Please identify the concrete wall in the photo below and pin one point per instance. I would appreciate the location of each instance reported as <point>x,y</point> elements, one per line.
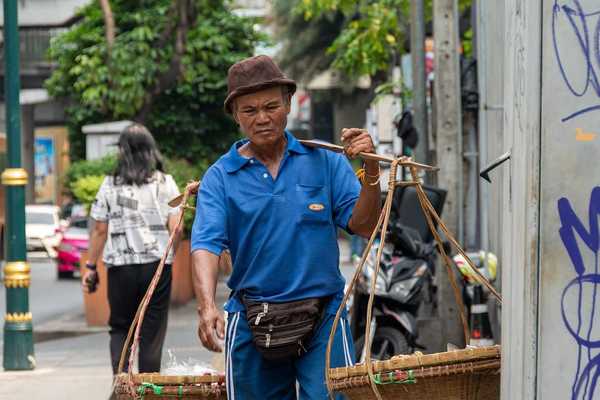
<point>522,94</point>
<point>551,322</point>
<point>100,145</point>
<point>569,305</point>
<point>491,64</point>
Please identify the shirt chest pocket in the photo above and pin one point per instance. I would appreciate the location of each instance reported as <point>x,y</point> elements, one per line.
<point>313,203</point>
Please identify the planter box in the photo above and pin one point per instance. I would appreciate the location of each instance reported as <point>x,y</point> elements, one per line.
<point>182,290</point>
<point>97,310</point>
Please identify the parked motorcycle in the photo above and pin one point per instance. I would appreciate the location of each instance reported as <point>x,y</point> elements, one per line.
<point>475,295</point>
<point>404,282</point>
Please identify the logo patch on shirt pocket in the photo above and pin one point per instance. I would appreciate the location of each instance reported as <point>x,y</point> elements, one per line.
<point>316,207</point>
<point>313,203</point>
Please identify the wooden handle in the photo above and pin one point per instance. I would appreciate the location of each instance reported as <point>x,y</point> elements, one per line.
<point>175,201</point>
<point>193,189</point>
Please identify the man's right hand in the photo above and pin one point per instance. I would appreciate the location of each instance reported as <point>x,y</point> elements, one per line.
<point>211,329</point>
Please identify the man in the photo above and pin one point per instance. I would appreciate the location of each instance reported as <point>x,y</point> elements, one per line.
<point>276,205</point>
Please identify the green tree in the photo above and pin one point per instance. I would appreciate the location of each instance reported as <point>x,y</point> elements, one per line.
<point>85,189</point>
<point>374,31</point>
<point>159,62</point>
<point>82,168</point>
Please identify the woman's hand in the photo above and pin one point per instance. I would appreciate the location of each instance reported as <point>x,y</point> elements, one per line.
<point>89,281</point>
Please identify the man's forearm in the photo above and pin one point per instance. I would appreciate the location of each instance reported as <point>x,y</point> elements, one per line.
<point>368,207</point>
<point>211,326</point>
<point>205,271</point>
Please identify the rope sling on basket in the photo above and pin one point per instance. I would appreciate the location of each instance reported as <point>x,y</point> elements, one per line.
<point>154,385</point>
<point>470,374</point>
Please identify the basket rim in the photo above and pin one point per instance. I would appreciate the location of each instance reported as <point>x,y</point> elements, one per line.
<point>490,367</point>
<point>160,379</point>
<point>417,360</point>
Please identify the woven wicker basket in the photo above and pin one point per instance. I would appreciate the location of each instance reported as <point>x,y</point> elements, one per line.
<point>470,374</point>
<point>156,386</point>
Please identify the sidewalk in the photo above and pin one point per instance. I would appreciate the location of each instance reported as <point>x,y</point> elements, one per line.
<point>73,361</point>
<point>69,368</point>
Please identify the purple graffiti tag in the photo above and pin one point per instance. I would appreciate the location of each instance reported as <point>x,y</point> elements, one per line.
<point>576,18</point>
<point>572,229</point>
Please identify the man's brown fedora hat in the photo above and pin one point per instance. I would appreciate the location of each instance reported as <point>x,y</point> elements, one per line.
<point>252,75</point>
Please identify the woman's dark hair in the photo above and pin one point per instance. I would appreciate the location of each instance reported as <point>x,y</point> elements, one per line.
<point>138,158</point>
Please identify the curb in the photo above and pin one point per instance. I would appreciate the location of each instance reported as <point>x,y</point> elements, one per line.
<point>68,325</point>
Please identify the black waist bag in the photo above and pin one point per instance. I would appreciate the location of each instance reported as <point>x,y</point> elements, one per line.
<point>280,330</point>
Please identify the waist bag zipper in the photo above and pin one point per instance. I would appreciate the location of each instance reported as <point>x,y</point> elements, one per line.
<point>268,337</point>
<point>262,314</point>
<point>301,347</point>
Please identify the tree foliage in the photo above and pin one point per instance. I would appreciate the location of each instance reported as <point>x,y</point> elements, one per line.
<point>85,189</point>
<point>166,68</point>
<point>374,32</point>
<point>83,168</point>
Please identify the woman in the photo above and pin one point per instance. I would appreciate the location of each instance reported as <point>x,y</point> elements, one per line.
<point>132,225</point>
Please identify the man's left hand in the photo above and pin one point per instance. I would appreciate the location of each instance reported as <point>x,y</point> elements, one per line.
<point>358,141</point>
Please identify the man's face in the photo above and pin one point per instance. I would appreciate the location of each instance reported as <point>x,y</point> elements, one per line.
<point>262,115</point>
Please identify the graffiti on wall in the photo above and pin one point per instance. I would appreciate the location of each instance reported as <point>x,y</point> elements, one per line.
<point>579,57</point>
<point>578,303</point>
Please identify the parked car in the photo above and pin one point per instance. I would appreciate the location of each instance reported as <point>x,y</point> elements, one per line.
<point>75,240</point>
<point>42,228</point>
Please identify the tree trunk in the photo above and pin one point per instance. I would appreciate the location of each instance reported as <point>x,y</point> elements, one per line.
<point>109,25</point>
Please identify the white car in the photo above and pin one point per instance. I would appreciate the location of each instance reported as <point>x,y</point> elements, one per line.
<point>42,228</point>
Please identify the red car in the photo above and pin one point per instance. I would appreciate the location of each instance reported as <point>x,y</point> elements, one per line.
<point>75,240</point>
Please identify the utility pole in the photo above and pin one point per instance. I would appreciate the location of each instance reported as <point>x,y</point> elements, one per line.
<point>18,329</point>
<point>419,79</point>
<point>448,129</point>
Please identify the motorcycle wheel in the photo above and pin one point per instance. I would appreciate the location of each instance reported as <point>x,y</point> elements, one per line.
<point>388,342</point>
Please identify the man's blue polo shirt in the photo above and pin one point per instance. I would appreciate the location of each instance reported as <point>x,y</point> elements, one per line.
<point>281,232</point>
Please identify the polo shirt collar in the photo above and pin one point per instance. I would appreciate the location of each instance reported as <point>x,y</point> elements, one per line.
<point>234,161</point>
<point>294,145</point>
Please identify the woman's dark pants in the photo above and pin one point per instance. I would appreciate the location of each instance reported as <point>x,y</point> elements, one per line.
<point>127,285</point>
